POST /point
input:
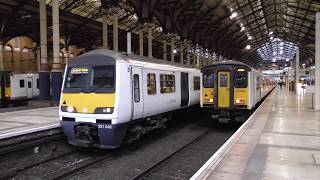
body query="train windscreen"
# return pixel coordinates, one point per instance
(90, 79)
(208, 79)
(241, 78)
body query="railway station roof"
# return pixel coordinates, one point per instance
(253, 31)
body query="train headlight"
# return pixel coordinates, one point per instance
(104, 110)
(211, 100)
(69, 109)
(240, 101)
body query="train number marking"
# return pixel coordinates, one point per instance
(104, 126)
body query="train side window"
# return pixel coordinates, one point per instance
(136, 88)
(167, 83)
(241, 78)
(208, 80)
(37, 83)
(21, 83)
(196, 83)
(152, 86)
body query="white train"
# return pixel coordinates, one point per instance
(17, 88)
(107, 95)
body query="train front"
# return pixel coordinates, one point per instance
(225, 91)
(88, 103)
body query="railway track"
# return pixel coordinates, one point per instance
(152, 169)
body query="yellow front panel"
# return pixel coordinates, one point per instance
(8, 92)
(223, 89)
(240, 96)
(207, 96)
(88, 102)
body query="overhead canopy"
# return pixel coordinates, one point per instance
(225, 27)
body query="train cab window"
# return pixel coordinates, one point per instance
(77, 77)
(103, 77)
(29, 84)
(152, 84)
(196, 83)
(136, 88)
(208, 80)
(241, 78)
(167, 83)
(21, 83)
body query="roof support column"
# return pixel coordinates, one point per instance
(317, 64)
(181, 54)
(149, 42)
(172, 50)
(297, 68)
(44, 75)
(115, 32)
(1, 56)
(141, 42)
(56, 74)
(105, 31)
(165, 50)
(197, 61)
(188, 54)
(129, 42)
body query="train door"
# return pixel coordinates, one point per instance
(137, 95)
(184, 89)
(224, 89)
(29, 87)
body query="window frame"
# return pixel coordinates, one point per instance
(196, 79)
(22, 83)
(136, 94)
(149, 82)
(165, 80)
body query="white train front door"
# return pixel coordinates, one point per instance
(137, 94)
(29, 87)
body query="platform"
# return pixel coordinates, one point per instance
(281, 140)
(28, 121)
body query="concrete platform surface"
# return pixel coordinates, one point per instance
(281, 140)
(28, 121)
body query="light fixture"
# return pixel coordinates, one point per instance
(174, 51)
(233, 15)
(271, 37)
(249, 37)
(287, 59)
(248, 47)
(270, 33)
(242, 28)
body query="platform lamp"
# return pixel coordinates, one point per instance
(109, 3)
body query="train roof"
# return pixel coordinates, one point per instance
(133, 59)
(228, 62)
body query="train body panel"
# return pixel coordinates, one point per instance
(18, 87)
(231, 88)
(140, 92)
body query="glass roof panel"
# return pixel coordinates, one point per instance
(277, 50)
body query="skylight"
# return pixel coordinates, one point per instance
(277, 50)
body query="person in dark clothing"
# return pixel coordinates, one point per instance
(280, 84)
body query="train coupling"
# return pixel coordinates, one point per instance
(86, 135)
